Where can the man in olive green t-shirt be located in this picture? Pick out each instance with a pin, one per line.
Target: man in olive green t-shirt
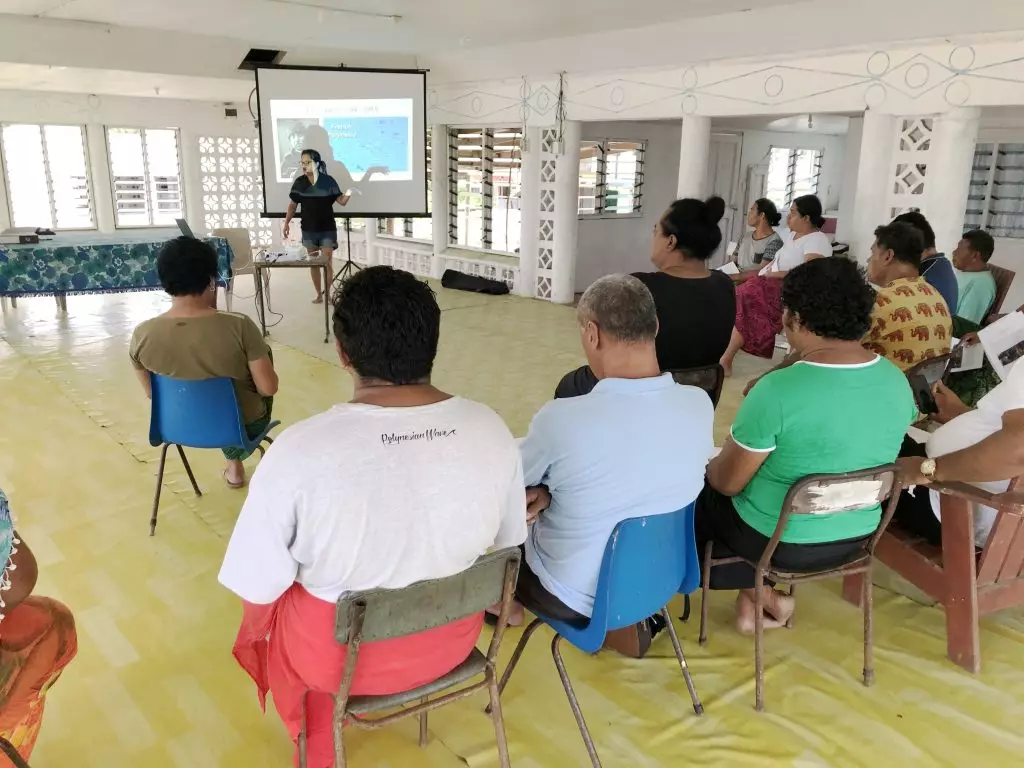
(194, 341)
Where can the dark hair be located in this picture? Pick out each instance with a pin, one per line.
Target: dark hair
(905, 241)
(694, 224)
(771, 213)
(186, 266)
(982, 242)
(321, 166)
(917, 220)
(810, 206)
(831, 296)
(388, 323)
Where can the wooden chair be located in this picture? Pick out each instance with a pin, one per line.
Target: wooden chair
(967, 582)
(1004, 279)
(816, 495)
(381, 614)
(710, 378)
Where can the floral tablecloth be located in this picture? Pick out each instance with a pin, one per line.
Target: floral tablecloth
(92, 263)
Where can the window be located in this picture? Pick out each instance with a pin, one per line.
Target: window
(792, 173)
(145, 174)
(611, 177)
(47, 173)
(995, 201)
(419, 228)
(485, 180)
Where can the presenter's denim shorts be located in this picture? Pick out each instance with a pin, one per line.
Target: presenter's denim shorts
(320, 239)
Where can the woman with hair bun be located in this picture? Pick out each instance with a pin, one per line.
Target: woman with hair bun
(760, 245)
(696, 305)
(759, 300)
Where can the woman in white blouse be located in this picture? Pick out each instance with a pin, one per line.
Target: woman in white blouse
(758, 301)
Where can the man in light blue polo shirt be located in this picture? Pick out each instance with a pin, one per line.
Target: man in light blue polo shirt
(636, 445)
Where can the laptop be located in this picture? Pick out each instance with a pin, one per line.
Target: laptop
(186, 230)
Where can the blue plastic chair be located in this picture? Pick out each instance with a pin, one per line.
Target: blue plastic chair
(647, 560)
(196, 414)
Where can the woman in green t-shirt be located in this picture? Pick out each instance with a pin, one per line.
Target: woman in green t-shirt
(838, 408)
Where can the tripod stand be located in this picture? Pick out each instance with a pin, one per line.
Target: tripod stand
(349, 268)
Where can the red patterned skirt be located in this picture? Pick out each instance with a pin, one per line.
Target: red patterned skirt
(759, 314)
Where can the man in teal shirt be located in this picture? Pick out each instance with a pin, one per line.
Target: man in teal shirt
(976, 284)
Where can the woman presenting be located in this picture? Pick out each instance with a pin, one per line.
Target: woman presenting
(317, 193)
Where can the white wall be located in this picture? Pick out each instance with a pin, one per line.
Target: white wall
(606, 246)
(757, 143)
(192, 118)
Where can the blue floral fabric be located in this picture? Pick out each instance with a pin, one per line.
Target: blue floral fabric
(71, 264)
(6, 533)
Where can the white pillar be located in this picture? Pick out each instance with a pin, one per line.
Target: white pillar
(566, 219)
(848, 191)
(694, 149)
(529, 207)
(439, 196)
(949, 174)
(370, 231)
(874, 175)
(192, 179)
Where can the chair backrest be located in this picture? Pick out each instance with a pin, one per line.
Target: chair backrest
(389, 613)
(1004, 279)
(710, 378)
(241, 248)
(836, 494)
(196, 414)
(646, 561)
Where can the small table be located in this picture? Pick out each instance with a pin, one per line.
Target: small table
(264, 260)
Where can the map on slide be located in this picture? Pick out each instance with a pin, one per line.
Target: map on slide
(364, 142)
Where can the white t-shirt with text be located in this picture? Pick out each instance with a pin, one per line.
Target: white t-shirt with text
(363, 497)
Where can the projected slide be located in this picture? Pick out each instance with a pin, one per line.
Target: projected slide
(363, 135)
(369, 127)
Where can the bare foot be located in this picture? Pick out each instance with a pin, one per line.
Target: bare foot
(319, 299)
(516, 613)
(726, 366)
(745, 617)
(781, 606)
(234, 474)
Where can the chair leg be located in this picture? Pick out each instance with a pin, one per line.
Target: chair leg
(261, 449)
(159, 483)
(340, 759)
(423, 729)
(576, 711)
(677, 646)
(759, 642)
(869, 628)
(792, 617)
(12, 754)
(188, 469)
(302, 737)
(704, 592)
(527, 634)
(497, 718)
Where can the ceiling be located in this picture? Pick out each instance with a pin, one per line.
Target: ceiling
(406, 26)
(831, 124)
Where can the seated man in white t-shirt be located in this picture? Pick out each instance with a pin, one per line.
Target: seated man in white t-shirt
(983, 446)
(636, 445)
(401, 484)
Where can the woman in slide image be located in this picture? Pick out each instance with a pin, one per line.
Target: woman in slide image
(758, 300)
(37, 640)
(316, 193)
(761, 244)
(696, 305)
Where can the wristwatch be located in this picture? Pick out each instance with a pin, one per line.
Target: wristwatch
(928, 468)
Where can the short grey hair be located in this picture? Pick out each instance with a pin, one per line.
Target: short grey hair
(622, 307)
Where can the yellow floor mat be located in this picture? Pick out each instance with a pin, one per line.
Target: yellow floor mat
(155, 685)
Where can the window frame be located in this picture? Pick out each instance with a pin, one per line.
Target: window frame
(487, 155)
(790, 186)
(145, 164)
(601, 181)
(49, 179)
(407, 221)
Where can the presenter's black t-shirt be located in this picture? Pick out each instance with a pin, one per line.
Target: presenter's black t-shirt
(316, 202)
(695, 317)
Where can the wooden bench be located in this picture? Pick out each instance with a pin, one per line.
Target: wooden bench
(969, 583)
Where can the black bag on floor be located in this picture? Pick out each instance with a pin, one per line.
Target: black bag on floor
(460, 281)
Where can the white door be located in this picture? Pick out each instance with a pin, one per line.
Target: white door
(724, 181)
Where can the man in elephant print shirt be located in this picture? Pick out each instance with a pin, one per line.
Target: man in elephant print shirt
(910, 322)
